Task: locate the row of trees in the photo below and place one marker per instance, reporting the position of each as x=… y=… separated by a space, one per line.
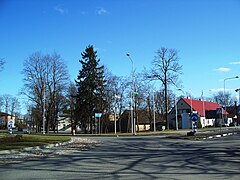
x=46 y=84
x=9 y=104
x=50 y=91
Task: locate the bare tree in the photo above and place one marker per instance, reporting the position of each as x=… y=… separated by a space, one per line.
x=10 y=104
x=165 y=68
x=45 y=79
x=70 y=106
x=115 y=90
x=14 y=106
x=6 y=98
x=223 y=99
x=1 y=103
x=2 y=62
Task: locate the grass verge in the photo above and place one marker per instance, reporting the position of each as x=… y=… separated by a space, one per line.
x=22 y=141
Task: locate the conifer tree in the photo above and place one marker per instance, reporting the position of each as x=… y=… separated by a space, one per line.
x=90 y=89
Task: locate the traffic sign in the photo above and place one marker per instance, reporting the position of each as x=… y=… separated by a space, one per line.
x=10 y=123
x=219 y=111
x=98 y=115
x=10 y=130
x=194 y=117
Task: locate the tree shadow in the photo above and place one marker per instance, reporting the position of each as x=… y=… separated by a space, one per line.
x=145 y=157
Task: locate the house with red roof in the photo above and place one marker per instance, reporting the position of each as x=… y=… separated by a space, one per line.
x=206 y=111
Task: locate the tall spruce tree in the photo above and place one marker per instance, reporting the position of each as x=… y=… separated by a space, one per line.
x=90 y=89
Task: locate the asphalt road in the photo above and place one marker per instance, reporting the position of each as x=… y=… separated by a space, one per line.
x=152 y=157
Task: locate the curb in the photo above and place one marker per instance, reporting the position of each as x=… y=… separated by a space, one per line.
x=220 y=135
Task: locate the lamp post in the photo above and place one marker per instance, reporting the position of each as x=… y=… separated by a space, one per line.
x=154 y=117
x=115 y=120
x=132 y=98
x=178 y=89
x=44 y=106
x=224 y=92
x=238 y=90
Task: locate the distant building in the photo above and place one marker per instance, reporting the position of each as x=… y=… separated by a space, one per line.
x=4 y=120
x=64 y=123
x=205 y=109
x=144 y=121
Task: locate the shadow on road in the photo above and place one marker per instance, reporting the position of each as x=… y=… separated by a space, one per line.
x=143 y=157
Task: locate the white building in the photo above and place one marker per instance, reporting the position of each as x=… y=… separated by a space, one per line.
x=205 y=109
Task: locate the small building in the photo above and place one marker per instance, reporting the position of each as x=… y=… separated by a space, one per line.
x=144 y=121
x=4 y=120
x=205 y=109
x=64 y=123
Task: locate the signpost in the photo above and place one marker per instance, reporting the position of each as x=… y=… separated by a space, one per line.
x=194 y=118
x=219 y=111
x=98 y=115
x=10 y=123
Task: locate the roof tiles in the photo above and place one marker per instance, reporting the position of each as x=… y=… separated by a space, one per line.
x=199 y=106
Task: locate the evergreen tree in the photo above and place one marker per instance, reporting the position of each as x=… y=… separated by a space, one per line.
x=90 y=89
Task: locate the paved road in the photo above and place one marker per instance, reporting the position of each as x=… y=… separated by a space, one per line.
x=152 y=157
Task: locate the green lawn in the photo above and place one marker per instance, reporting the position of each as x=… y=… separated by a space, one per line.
x=21 y=141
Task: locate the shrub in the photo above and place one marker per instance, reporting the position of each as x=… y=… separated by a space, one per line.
x=18 y=138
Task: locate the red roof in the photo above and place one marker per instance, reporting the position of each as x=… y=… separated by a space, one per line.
x=198 y=105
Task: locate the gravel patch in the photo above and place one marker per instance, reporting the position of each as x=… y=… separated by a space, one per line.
x=75 y=145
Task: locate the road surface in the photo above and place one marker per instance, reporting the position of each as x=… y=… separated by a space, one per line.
x=137 y=157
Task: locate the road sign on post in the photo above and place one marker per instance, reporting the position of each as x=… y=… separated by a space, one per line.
x=219 y=111
x=98 y=115
x=10 y=123
x=194 y=117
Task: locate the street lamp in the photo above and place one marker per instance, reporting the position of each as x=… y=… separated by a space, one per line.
x=224 y=91
x=238 y=90
x=178 y=89
x=132 y=98
x=115 y=120
x=44 y=106
x=154 y=117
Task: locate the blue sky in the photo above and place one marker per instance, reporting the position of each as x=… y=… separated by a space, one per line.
x=205 y=32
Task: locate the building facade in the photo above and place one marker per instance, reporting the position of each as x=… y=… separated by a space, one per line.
x=4 y=120
x=206 y=111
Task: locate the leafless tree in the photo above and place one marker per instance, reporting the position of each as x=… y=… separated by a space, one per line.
x=70 y=105
x=45 y=79
x=166 y=68
x=223 y=99
x=10 y=104
x=6 y=98
x=116 y=90
x=2 y=62
x=14 y=106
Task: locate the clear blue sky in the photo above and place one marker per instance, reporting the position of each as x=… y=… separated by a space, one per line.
x=206 y=33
